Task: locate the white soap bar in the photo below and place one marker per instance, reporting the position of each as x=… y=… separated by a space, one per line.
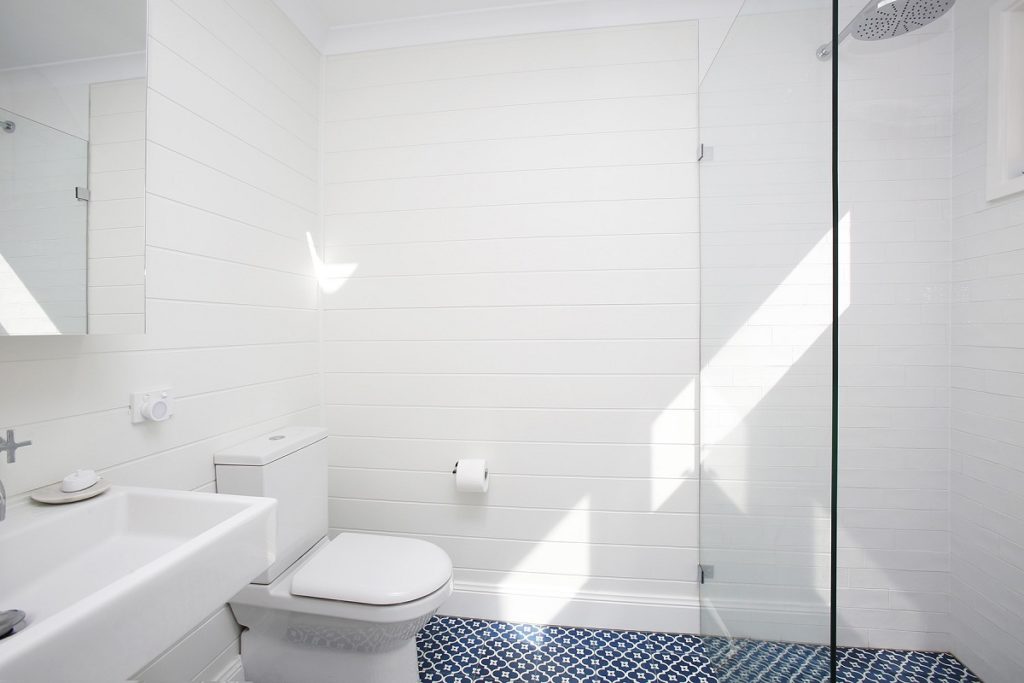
x=79 y=480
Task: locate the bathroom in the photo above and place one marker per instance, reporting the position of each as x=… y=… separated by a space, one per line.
x=512 y=340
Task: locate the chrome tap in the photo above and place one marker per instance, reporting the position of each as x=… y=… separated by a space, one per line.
x=9 y=446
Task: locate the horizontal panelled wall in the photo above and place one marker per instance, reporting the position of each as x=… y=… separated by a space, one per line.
x=514 y=226
x=987 y=503
x=232 y=320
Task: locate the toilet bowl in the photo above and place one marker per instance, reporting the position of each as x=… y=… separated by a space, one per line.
x=342 y=610
x=347 y=610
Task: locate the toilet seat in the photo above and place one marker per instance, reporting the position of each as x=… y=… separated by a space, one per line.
x=373 y=570
x=278 y=596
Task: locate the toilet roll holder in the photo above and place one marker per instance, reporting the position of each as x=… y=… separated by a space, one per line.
x=455 y=469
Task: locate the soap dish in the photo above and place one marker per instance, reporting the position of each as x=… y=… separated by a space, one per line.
x=52 y=495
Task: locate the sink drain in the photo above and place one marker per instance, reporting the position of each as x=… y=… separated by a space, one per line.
x=9 y=621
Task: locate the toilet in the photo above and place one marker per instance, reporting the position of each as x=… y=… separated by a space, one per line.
x=345 y=610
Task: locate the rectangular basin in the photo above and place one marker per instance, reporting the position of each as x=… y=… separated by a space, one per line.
x=110 y=583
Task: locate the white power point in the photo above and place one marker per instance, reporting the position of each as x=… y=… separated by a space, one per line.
x=155 y=405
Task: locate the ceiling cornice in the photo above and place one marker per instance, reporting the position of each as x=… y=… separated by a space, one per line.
x=308 y=18
x=716 y=16
x=534 y=18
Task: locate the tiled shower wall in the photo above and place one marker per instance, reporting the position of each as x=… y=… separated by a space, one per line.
x=987 y=483
x=894 y=151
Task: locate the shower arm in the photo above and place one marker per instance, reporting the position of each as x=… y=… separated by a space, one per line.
x=825 y=51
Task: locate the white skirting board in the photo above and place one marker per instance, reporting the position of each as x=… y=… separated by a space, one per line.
x=766 y=620
x=618 y=612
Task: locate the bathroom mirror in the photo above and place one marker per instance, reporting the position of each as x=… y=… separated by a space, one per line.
x=72 y=167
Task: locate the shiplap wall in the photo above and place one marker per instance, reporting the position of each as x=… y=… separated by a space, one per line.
x=232 y=320
x=520 y=219
x=987 y=503
x=117 y=207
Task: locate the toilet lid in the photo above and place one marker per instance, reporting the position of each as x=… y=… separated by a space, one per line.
x=373 y=570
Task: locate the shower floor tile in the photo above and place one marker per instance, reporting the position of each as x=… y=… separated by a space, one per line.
x=456 y=650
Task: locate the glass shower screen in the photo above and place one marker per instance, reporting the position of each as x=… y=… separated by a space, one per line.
x=766 y=346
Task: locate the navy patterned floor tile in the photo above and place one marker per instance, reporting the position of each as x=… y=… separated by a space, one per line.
x=899 y=666
x=456 y=650
x=756 y=661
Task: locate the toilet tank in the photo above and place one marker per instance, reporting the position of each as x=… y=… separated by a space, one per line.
x=289 y=464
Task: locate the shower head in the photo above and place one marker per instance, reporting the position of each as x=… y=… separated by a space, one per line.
x=882 y=19
x=896 y=17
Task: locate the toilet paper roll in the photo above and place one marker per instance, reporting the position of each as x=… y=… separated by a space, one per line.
x=471 y=476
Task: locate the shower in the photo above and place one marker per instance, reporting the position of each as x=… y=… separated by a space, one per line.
x=881 y=19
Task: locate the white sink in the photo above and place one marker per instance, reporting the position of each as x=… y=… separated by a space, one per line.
x=110 y=583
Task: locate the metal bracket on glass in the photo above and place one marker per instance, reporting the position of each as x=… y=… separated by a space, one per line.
x=83 y=194
x=8 y=126
x=700 y=152
x=705 y=572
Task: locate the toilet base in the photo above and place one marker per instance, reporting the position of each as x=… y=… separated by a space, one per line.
x=280 y=646
x=269 y=660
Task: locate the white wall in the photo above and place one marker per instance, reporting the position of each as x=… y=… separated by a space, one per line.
x=987 y=510
x=117 y=207
x=232 y=189
x=519 y=216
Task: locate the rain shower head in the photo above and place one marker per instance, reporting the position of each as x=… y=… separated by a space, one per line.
x=882 y=19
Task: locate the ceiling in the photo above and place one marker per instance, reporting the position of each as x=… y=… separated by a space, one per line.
x=345 y=12
x=45 y=31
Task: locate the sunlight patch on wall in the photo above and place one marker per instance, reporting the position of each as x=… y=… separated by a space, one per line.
x=566 y=546
x=773 y=339
x=668 y=465
x=330 y=276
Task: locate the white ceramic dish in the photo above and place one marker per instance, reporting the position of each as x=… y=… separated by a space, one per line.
x=53 y=495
